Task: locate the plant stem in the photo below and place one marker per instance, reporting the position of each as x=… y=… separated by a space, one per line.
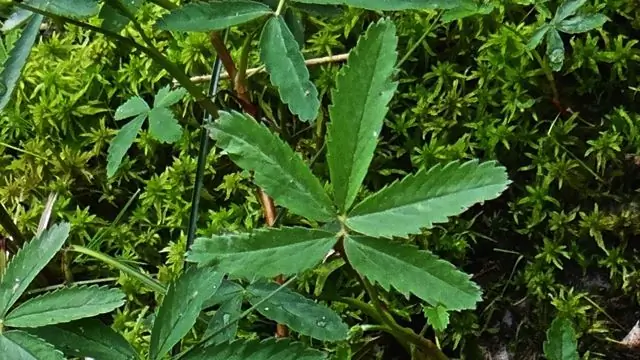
x=203 y=151
x=420 y=40
x=150 y=282
x=280 y=7
x=424 y=345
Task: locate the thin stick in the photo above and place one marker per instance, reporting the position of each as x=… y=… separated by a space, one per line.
x=253 y=71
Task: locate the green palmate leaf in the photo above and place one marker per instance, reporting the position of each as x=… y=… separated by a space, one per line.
x=555 y=50
x=582 y=23
x=163 y=126
x=212 y=16
x=16 y=19
x=437 y=317
x=277 y=168
x=297 y=312
x=427 y=197
x=537 y=36
x=284 y=62
x=75 y=9
x=17 y=58
x=111 y=17
x=412 y=271
x=167 y=97
x=566 y=9
x=360 y=103
x=257 y=350
x=65 y=305
x=229 y=310
x=87 y=338
x=18 y=345
x=393 y=4
x=181 y=307
x=134 y=106
x=27 y=263
x=561 y=341
x=122 y=142
x=264 y=252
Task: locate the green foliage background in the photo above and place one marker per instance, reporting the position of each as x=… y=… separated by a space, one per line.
x=563 y=239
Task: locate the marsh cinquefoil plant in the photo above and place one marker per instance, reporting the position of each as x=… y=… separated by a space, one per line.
x=365 y=231
x=371 y=235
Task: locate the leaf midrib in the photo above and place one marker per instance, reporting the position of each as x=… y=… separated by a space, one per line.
x=299 y=185
x=413 y=203
x=361 y=121
x=412 y=266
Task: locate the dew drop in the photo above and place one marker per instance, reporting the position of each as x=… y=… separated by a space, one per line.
x=266 y=309
x=225 y=318
x=375 y=134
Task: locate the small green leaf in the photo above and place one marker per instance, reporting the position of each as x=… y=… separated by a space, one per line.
x=566 y=9
x=277 y=168
x=269 y=349
x=27 y=263
x=205 y=17
x=181 y=307
x=64 y=305
x=121 y=143
x=87 y=338
x=437 y=317
x=537 y=36
x=12 y=68
x=582 y=23
x=134 y=106
x=229 y=310
x=555 y=50
x=412 y=271
x=392 y=4
x=163 y=126
x=111 y=17
x=561 y=341
x=75 y=9
x=427 y=197
x=284 y=62
x=263 y=253
x=16 y=19
x=360 y=104
x=18 y=345
x=167 y=97
x=297 y=312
